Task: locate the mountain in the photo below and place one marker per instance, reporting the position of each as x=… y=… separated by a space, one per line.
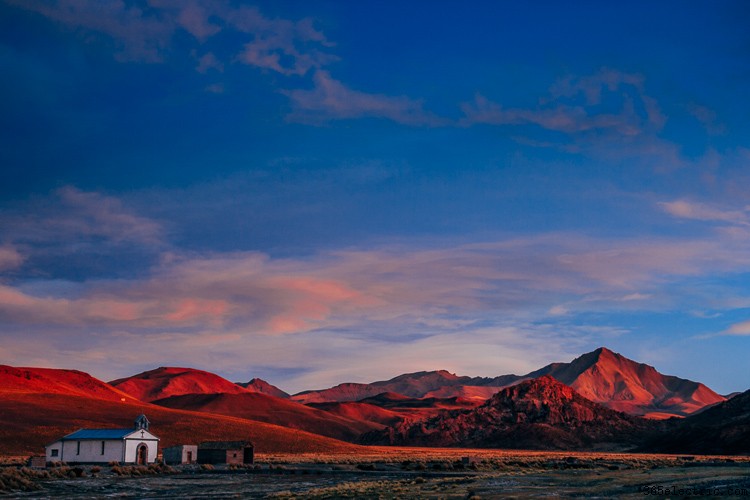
x=602 y=376
x=721 y=430
x=413 y=385
x=40 y=405
x=55 y=381
x=621 y=384
x=265 y=408
x=260 y=385
x=535 y=414
x=165 y=382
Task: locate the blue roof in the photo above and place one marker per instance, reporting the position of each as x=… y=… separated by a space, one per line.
x=99 y=434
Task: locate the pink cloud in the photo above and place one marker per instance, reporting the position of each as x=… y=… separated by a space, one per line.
x=332 y=100
x=698 y=211
x=139 y=35
x=10 y=258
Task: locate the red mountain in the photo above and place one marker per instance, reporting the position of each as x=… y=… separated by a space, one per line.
x=40 y=405
x=264 y=408
x=534 y=414
x=341 y=392
x=440 y=383
x=619 y=383
x=260 y=385
x=165 y=382
x=54 y=381
x=601 y=376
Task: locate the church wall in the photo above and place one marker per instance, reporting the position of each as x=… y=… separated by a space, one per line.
x=131 y=448
x=90 y=451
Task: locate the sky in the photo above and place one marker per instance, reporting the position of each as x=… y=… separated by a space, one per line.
x=324 y=192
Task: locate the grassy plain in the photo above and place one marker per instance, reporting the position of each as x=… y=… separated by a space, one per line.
x=395 y=473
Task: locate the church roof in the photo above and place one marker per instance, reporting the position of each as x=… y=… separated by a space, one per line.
x=98 y=434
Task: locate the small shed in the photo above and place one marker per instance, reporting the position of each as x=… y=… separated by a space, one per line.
x=180 y=454
x=226 y=452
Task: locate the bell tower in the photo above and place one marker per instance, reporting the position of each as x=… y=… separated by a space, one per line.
x=142 y=422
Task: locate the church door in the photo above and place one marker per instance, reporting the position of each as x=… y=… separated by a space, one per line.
x=142 y=455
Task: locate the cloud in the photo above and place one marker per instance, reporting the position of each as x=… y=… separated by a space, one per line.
x=707 y=117
x=138 y=34
x=287 y=47
x=573 y=107
x=699 y=211
x=209 y=61
x=332 y=100
x=742 y=328
x=74 y=232
x=607 y=116
x=145 y=32
x=10 y=258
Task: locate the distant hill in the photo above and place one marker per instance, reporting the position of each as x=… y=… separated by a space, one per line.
x=165 y=382
x=260 y=385
x=414 y=385
x=539 y=414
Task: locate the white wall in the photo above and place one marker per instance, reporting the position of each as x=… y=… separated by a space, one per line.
x=131 y=448
x=90 y=451
x=57 y=445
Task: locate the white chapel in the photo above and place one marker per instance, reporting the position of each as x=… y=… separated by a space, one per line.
x=131 y=446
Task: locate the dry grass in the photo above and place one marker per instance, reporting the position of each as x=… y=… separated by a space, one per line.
x=492 y=458
x=21 y=479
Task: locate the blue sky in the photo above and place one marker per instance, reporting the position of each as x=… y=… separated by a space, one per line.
x=319 y=192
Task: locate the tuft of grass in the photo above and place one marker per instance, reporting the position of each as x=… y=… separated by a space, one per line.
x=21 y=479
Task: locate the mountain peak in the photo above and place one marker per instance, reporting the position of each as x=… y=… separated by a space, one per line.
x=165 y=381
x=608 y=377
x=261 y=386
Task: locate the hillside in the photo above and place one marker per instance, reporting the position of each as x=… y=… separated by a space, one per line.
x=57 y=381
x=32 y=415
x=264 y=408
x=166 y=382
x=722 y=429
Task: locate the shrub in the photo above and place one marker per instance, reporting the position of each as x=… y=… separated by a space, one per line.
x=207 y=467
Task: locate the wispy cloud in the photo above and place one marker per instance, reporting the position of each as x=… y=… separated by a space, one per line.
x=607 y=115
x=139 y=34
x=146 y=31
x=332 y=100
x=73 y=215
x=742 y=328
x=573 y=106
x=10 y=258
x=699 y=211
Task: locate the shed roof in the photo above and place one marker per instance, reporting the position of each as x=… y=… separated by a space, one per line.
x=97 y=434
x=225 y=445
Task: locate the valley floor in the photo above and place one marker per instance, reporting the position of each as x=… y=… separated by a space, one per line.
x=430 y=473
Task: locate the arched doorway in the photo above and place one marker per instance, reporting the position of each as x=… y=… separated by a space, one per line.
x=141 y=454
